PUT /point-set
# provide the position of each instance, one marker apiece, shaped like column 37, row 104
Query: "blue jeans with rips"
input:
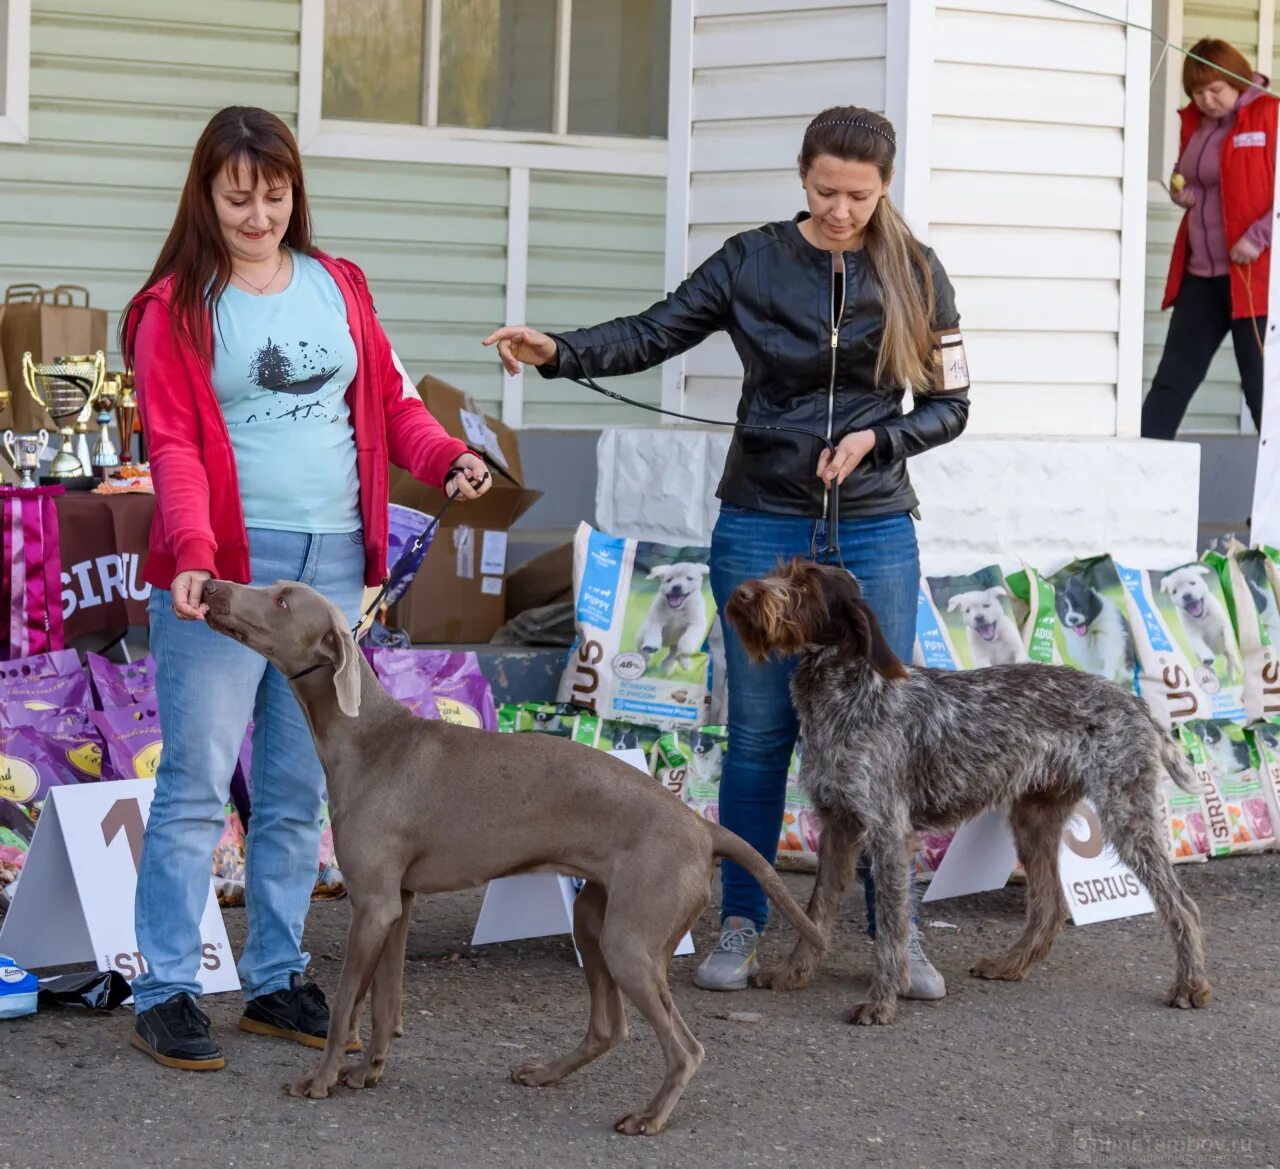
column 207, row 689
column 881, row 552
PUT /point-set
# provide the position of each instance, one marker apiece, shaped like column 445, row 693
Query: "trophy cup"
column 66, row 388
column 25, row 451
column 126, row 414
column 104, row 455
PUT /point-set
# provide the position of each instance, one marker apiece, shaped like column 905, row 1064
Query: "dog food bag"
column 122, row 684
column 1093, row 632
column 1185, row 822
column 228, row 860
column 1193, row 609
column 689, row 763
column 1034, row 610
column 974, row 615
column 548, row 718
column 1264, row 741
column 801, row 826
column 933, row 648
column 933, row 847
column 1255, row 617
column 30, row 764
column 1235, row 801
column 607, row 734
column 437, row 684
column 130, row 740
column 44, row 681
column 643, row 615
column 1174, row 687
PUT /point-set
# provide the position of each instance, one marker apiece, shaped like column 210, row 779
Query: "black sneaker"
column 176, row 1034
column 299, row 1013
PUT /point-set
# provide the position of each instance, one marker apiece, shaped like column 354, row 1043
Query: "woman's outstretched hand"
column 519, row 345
column 468, row 478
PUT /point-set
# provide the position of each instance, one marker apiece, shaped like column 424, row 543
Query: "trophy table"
column 67, row 388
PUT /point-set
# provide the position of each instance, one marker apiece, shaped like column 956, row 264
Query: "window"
column 15, row 64
column 557, row 68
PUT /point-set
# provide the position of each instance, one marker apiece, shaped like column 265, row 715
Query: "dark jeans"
column 881, row 552
column 1201, row 319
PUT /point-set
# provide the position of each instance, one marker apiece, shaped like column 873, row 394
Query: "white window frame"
column 14, row 113
column 372, row 141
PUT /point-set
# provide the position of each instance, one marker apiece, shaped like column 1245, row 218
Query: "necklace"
column 259, row 289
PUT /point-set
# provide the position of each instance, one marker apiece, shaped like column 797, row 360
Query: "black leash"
column 408, row 554
column 832, row 546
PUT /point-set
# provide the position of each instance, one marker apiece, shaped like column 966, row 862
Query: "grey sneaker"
column 925, row 982
column 732, row 963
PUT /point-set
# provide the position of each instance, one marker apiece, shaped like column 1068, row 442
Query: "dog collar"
column 309, row 670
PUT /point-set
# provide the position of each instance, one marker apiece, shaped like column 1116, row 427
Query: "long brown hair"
column 195, row 254
column 853, row 134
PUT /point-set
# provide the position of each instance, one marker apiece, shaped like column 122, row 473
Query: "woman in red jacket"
column 1221, row 264
column 272, row 401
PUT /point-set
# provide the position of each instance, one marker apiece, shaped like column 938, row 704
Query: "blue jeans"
column 207, row 689
column 881, row 552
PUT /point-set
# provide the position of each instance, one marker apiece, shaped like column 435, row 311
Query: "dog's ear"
column 886, row 662
column 659, row 572
column 955, row 602
column 1198, row 569
column 1166, row 583
column 702, row 569
column 346, row 665
column 861, row 631
column 995, row 592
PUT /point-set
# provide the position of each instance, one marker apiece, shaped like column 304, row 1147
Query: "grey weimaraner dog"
column 538, row 804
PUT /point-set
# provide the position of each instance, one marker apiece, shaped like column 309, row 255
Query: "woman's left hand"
column 1245, row 251
column 852, row 449
column 475, row 479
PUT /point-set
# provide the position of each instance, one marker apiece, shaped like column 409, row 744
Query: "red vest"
column 1248, row 190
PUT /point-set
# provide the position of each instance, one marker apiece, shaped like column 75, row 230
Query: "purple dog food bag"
column 49, row 681
column 437, row 684
column 122, row 684
column 131, row 741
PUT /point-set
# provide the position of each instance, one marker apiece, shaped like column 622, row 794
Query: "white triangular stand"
column 540, row 905
column 74, row 900
column 1098, row 885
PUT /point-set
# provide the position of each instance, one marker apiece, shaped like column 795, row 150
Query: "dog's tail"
column 1179, row 766
column 725, row 844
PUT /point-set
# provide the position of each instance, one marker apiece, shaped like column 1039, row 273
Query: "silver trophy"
column 104, row 455
column 67, row 388
column 25, row 452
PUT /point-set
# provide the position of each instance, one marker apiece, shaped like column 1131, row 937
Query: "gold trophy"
column 126, row 414
column 66, row 387
column 104, row 455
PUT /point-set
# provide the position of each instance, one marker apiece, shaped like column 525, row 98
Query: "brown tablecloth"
column 104, row 543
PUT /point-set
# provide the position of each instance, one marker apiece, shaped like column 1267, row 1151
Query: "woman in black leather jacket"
column 833, row 314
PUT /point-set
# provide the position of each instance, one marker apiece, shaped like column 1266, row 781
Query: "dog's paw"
column 637, row 1124
column 397, row 1031
column 998, row 969
column 533, row 1075
column 783, row 978
column 872, row 1013
column 1187, row 995
column 362, row 1075
column 313, row 1087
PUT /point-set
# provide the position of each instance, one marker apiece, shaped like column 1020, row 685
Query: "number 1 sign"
column 74, row 901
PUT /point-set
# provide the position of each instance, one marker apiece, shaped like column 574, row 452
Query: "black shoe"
column 176, row 1034
column 299, row 1013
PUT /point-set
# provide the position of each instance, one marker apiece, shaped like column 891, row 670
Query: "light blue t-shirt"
column 281, row 367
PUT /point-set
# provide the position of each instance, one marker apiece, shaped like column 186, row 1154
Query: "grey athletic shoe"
column 925, row 982
column 730, row 965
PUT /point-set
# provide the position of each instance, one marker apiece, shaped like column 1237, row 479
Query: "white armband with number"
column 952, row 362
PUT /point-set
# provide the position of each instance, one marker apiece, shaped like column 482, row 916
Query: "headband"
column 885, row 134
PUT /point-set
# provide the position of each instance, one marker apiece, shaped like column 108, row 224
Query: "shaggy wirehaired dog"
column 887, row 750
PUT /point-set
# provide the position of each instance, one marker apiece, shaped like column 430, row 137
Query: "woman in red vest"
column 1221, row 263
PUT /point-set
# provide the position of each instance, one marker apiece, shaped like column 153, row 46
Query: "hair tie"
column 888, row 137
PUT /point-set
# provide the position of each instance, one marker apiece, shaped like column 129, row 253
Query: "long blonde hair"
column 897, row 259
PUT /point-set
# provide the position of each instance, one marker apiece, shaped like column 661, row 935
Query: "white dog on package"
column 1205, row 621
column 677, row 618
column 993, row 637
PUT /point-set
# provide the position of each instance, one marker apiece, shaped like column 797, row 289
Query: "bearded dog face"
column 805, row 606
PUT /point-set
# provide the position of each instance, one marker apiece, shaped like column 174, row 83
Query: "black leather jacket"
column 778, row 297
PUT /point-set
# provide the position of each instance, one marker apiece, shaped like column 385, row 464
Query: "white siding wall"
column 760, row 70
column 1025, row 207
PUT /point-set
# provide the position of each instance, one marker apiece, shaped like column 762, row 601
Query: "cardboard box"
column 506, row 501
column 459, row 593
